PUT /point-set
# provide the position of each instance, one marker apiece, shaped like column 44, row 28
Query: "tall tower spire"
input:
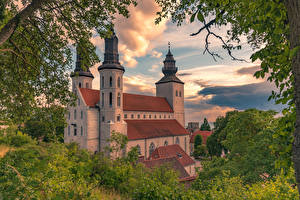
column 79, row 69
column 169, row 69
column 111, row 55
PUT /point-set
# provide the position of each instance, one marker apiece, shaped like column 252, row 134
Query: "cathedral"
column 151, row 123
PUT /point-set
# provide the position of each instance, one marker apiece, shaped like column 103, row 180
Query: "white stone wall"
column 80, row 138
column 190, row 169
column 93, row 129
column 174, row 93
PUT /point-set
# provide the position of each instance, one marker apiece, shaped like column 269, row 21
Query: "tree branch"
column 18, row 19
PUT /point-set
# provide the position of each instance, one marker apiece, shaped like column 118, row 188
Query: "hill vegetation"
column 35, row 169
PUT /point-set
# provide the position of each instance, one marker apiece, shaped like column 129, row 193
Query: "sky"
column 212, row 88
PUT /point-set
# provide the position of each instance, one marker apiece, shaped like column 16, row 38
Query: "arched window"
column 79, row 85
column 69, row 115
column 132, row 116
column 119, row 100
column 119, row 82
column 87, row 85
column 185, row 144
column 102, row 84
column 138, row 116
column 78, row 102
column 75, row 114
column 110, row 99
column 149, row 116
column 110, row 81
column 119, row 118
column 75, row 130
column 81, row 131
column 176, row 93
column 81, row 114
column 151, row 148
column 166, row 143
column 154, row 116
column 102, row 99
column 177, row 140
column 68, row 130
column 180, row 93
column 144, row 116
column 138, row 149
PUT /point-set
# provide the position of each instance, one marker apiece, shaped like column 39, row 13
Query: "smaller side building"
column 177, row 152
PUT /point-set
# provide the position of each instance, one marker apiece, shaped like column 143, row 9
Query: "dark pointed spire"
column 111, row 54
column 169, row 69
column 79, row 69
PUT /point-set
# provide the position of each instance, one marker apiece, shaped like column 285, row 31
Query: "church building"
column 149, row 122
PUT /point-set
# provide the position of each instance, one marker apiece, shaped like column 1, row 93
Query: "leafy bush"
column 16, row 139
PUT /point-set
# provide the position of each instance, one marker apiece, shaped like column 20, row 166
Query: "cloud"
column 137, row 31
column 153, row 68
column 248, row 70
column 156, row 54
column 242, row 97
column 139, row 84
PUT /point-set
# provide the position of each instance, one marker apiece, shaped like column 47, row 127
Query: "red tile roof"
column 204, row 135
column 141, row 129
column 131, row 102
column 171, row 151
column 135, row 102
column 91, row 97
column 173, row 162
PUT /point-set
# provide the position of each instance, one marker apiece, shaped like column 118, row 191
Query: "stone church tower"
column 81, row 78
column 111, row 93
column 172, row 88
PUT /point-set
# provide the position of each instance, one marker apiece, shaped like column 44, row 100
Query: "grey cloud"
column 202, row 83
column 242, row 97
column 248, row 70
column 184, row 74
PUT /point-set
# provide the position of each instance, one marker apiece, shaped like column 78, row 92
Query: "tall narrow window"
column 180, row 93
column 87, row 85
column 151, row 148
column 102, row 99
column 176, row 93
column 132, row 116
column 79, row 85
column 138, row 116
column 81, row 131
column 110, row 99
column 68, row 130
column 102, row 80
column 69, row 115
column 177, row 140
column 78, row 102
column 138, row 149
column 125, row 116
column 119, row 118
column 119, row 82
column 110, row 81
column 75, row 114
column 119, row 100
column 75, row 130
column 81, row 114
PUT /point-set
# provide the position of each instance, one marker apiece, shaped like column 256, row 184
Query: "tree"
column 36, row 43
column 205, row 126
column 47, row 123
column 271, row 27
column 198, row 141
